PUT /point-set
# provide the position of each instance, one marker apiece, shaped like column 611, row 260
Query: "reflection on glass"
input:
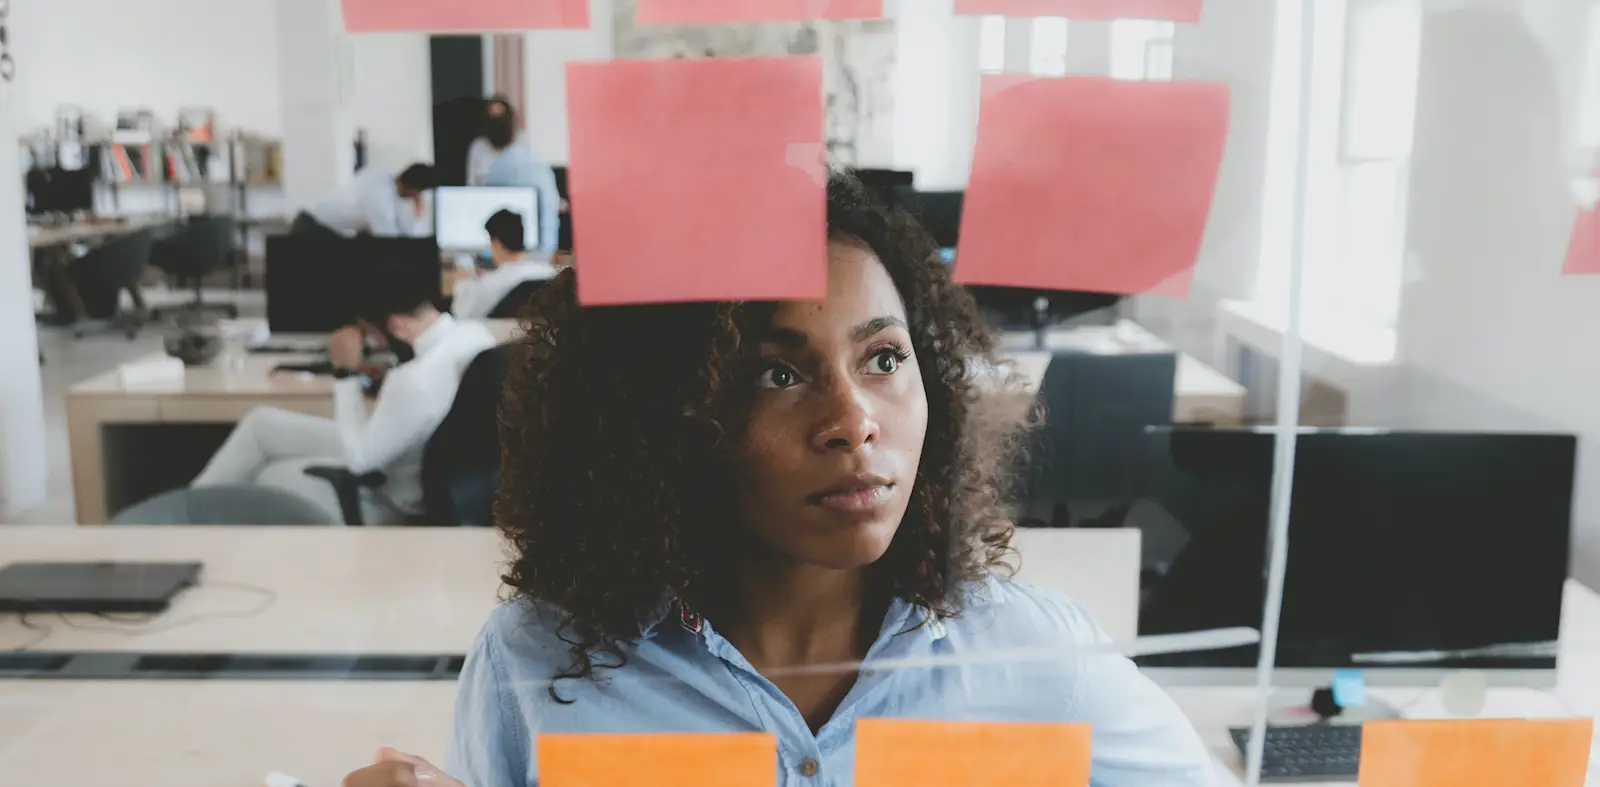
column 992, row 44
column 1048, row 52
column 1131, row 42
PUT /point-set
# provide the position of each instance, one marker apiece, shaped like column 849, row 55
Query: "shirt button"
column 808, row 767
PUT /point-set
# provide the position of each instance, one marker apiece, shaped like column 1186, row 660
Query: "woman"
column 723, row 515
column 503, row 157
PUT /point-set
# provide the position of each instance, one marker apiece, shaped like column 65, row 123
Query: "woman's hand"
column 393, row 768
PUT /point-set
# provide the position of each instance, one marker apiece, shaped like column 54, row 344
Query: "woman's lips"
column 858, row 499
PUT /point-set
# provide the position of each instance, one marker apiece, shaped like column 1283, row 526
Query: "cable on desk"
column 43, row 632
column 135, row 627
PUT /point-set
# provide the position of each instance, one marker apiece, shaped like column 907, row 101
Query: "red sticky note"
column 1583, row 250
column 1476, row 753
column 705, row 12
column 372, row 16
column 904, row 753
column 699, row 180
column 1170, row 10
column 1090, row 183
column 662, row 760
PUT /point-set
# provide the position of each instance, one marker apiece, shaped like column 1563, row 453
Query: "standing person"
column 377, row 202
column 503, row 157
column 721, row 516
column 274, row 447
column 477, row 298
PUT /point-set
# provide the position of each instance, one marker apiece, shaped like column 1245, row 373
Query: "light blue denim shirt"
column 1023, row 654
column 518, row 166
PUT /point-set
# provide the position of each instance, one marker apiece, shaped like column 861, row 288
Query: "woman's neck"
column 782, row 614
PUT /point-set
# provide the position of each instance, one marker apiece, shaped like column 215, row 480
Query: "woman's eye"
column 886, row 362
column 777, row 377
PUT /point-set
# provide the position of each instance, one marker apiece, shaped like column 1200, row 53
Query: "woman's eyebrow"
column 875, row 326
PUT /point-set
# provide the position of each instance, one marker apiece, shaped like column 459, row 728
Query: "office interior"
column 1347, row 476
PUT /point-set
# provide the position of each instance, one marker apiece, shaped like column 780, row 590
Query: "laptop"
column 99, row 587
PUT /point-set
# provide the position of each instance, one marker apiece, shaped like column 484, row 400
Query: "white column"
column 1089, row 47
column 314, row 81
column 936, row 93
column 1019, row 44
column 24, row 460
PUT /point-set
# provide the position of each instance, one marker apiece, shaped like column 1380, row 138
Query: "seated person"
column 273, row 447
column 476, row 298
column 377, row 202
column 724, row 516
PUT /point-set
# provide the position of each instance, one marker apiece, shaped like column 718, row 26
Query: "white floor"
column 68, row 361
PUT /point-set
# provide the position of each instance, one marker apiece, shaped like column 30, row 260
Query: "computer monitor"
column 881, row 183
column 938, row 211
column 1409, row 552
column 460, row 213
column 314, row 285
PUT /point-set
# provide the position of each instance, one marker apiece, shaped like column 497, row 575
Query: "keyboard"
column 1317, row 753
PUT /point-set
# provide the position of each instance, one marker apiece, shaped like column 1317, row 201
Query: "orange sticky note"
column 704, row 12
column 904, row 753
column 372, row 16
column 661, row 760
column 1090, row 183
column 700, row 180
column 1476, row 753
column 1170, row 10
column 1583, row 250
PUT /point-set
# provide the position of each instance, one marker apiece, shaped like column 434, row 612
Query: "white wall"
column 1491, row 335
column 547, row 56
column 23, row 463
column 391, row 96
column 161, row 54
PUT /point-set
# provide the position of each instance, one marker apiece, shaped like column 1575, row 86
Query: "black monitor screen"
column 317, row 285
column 1398, row 542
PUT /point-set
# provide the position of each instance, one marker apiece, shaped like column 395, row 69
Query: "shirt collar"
column 900, row 618
column 434, row 335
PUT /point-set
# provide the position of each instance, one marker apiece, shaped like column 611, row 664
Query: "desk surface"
column 338, row 590
column 403, row 590
column 41, row 237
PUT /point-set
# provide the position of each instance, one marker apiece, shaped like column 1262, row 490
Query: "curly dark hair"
column 616, row 425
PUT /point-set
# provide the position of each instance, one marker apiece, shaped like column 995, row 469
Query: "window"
column 992, row 44
column 1363, row 110
column 1141, row 49
column 1047, row 54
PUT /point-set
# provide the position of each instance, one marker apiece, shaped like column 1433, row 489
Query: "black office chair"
column 510, row 307
column 102, row 275
column 204, row 245
column 461, row 462
column 1087, row 460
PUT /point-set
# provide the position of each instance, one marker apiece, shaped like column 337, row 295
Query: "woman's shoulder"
column 1004, row 606
column 522, row 632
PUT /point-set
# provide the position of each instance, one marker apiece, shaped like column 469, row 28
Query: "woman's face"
column 835, row 433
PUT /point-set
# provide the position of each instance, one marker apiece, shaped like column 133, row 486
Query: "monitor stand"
column 1300, row 707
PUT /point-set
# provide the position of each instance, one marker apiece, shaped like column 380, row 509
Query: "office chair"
column 564, row 240
column 224, row 505
column 460, row 463
column 510, row 307
column 204, row 245
column 102, row 275
column 1089, row 456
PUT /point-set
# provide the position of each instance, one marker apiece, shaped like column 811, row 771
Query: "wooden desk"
column 339, row 590
column 212, row 733
column 1201, row 394
column 207, row 395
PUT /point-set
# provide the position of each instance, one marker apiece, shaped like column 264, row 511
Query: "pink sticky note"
column 704, row 12
column 371, row 16
column 1170, row 10
column 698, row 179
column 1583, row 250
column 1089, row 183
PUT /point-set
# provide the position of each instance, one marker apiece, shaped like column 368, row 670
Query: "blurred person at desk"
column 724, row 516
column 274, row 447
column 476, row 298
column 377, row 202
column 503, row 157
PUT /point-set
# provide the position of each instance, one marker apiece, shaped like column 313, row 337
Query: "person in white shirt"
column 476, row 299
column 273, row 447
column 377, row 202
